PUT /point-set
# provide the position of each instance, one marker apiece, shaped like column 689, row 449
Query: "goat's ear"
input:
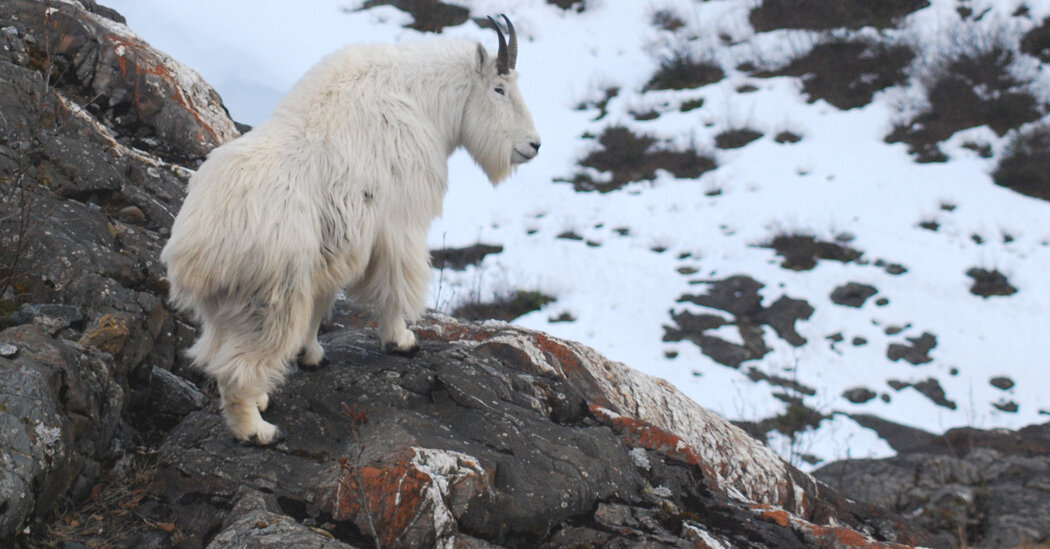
column 483, row 56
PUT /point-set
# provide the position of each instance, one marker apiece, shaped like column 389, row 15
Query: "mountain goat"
column 336, row 190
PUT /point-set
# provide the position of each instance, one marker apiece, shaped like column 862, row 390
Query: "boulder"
column 499, row 435
column 93, row 118
column 60, row 406
column 972, row 488
column 95, row 61
column 256, row 523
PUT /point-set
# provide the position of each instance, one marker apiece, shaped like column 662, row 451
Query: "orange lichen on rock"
column 641, row 434
column 389, row 498
column 107, row 334
column 833, row 537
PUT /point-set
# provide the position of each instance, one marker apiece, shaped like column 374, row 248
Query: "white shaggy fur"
column 336, row 190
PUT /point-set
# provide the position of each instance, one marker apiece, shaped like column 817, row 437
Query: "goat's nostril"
column 535, row 145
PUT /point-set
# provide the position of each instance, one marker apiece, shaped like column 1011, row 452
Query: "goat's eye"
column 500, row 91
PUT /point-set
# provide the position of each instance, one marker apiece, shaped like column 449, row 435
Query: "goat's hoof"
column 391, row 347
column 312, row 355
column 266, row 435
column 255, row 440
column 306, row 365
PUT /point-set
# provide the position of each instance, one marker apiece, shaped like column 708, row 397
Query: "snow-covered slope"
column 620, row 263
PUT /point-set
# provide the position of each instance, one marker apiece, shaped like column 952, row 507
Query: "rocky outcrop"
column 490, row 436
column 88, row 113
column 974, row 488
column 496, row 433
column 96, row 62
column 59, row 411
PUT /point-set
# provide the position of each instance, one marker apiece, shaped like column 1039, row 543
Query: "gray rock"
column 159, row 100
column 739, row 297
column 131, row 214
column 260, row 529
column 61, row 404
column 852, row 294
column 54, row 318
column 59, row 409
column 471, row 437
column 917, row 353
column 988, row 486
column 859, row 395
column 171, row 394
column 256, row 522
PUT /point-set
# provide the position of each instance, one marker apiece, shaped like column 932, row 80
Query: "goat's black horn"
column 512, row 44
column 502, row 57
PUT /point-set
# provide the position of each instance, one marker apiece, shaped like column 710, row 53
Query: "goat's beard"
column 494, row 159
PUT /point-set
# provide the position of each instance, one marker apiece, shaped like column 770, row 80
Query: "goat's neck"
column 445, row 89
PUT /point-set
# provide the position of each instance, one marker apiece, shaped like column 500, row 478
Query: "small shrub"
column 643, row 116
column 427, row 15
column 1025, row 167
column 831, row 14
column 989, row 283
column 1036, row 42
column 683, row 70
column 983, row 150
column 623, row 153
column 628, row 157
column 801, row 251
column 930, row 225
column 736, row 138
column 577, row 5
column 969, row 89
column 505, row 307
column 601, row 104
column 458, row 259
column 786, row 137
column 564, row 316
column 797, row 418
column 847, row 73
column 667, row 20
column 691, row 104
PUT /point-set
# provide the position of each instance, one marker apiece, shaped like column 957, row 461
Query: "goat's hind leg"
column 208, row 352
column 313, row 352
column 403, row 281
column 253, row 361
column 240, row 407
column 244, row 379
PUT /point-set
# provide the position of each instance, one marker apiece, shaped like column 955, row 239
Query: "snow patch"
column 840, row 178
